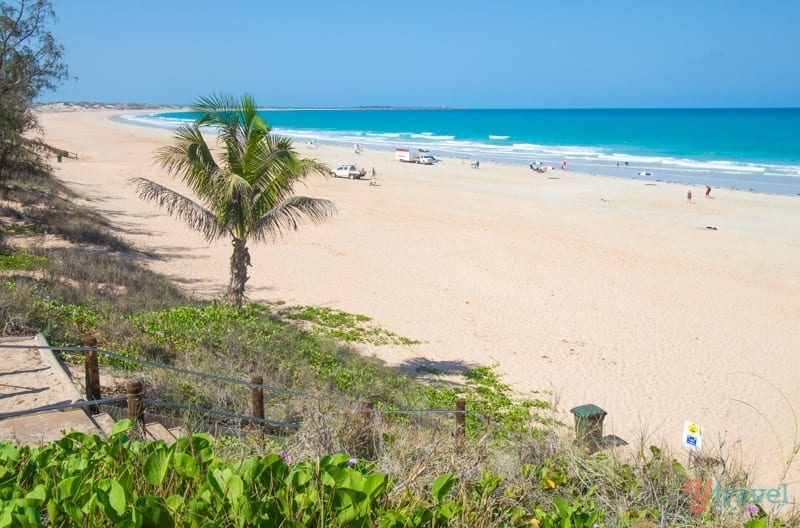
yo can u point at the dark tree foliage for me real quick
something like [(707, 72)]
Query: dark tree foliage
[(31, 62)]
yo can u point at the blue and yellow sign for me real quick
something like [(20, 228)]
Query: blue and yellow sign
[(692, 436)]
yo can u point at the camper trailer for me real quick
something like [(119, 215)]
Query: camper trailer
[(421, 156)]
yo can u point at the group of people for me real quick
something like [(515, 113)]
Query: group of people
[(689, 194), (538, 166)]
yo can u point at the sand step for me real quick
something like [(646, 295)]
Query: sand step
[(42, 428), (104, 422), (157, 431), (178, 432)]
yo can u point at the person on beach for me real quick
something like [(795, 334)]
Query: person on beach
[(689, 197), (564, 165), (708, 190), (373, 177)]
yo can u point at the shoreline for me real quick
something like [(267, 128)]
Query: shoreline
[(597, 169), (593, 289), (669, 170)]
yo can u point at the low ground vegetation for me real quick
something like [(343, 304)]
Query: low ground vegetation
[(338, 465)]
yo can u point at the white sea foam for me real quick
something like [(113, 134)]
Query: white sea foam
[(631, 159), (762, 176), (430, 135), (153, 120), (716, 165), (383, 134)]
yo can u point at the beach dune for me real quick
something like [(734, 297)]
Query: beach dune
[(593, 289)]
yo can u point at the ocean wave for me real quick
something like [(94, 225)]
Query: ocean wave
[(610, 160), (783, 171), (558, 150), (632, 159), (429, 135), (696, 166), (715, 165), (155, 120), (516, 152)]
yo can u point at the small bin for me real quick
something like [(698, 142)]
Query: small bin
[(589, 426)]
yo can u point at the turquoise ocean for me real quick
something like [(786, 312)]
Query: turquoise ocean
[(748, 149)]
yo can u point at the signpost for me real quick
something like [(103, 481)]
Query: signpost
[(692, 436)]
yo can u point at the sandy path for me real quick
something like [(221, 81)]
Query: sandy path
[(27, 381), (599, 290)]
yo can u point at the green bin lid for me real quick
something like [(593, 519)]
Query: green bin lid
[(589, 409)]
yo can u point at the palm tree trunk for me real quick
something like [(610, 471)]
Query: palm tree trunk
[(240, 260)]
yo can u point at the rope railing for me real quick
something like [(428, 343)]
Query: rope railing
[(216, 412), (216, 377), (145, 362), (256, 385), (62, 406)]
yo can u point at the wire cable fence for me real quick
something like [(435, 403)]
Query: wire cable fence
[(200, 401), (82, 404)]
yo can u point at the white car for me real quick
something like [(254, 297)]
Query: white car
[(348, 171), (424, 157)]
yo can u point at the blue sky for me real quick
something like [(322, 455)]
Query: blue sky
[(467, 53)]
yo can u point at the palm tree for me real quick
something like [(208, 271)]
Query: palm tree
[(246, 192)]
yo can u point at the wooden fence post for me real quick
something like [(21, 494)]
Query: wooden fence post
[(461, 415), (92, 371), (367, 413), (257, 397), (135, 401)]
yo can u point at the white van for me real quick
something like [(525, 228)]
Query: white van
[(421, 156)]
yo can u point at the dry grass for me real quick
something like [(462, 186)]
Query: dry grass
[(96, 283)]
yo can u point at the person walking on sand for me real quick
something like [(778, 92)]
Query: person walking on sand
[(689, 197), (708, 190), (373, 177)]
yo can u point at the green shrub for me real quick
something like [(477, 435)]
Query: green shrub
[(22, 260)]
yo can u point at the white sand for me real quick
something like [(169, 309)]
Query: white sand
[(600, 290)]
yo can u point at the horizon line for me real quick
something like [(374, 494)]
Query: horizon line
[(132, 105)]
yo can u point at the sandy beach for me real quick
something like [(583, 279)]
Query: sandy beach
[(598, 290)]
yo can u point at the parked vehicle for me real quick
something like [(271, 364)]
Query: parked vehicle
[(421, 156), (348, 171), (425, 157), (401, 154)]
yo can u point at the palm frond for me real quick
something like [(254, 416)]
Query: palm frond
[(278, 169), (191, 159), (213, 108), (238, 123), (288, 215), (193, 214)]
